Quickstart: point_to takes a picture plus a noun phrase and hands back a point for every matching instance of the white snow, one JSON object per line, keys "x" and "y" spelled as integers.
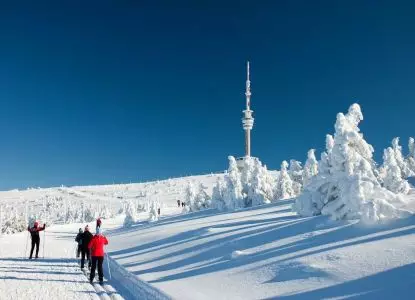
{"x": 263, "y": 252}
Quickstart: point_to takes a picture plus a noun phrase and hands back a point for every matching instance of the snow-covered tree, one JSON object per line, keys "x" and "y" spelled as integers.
{"x": 202, "y": 200}
{"x": 284, "y": 183}
{"x": 350, "y": 189}
{"x": 14, "y": 222}
{"x": 218, "y": 194}
{"x": 296, "y": 173}
{"x": 252, "y": 185}
{"x": 400, "y": 161}
{"x": 410, "y": 160}
{"x": 310, "y": 167}
{"x": 190, "y": 194}
{"x": 130, "y": 214}
{"x": 393, "y": 180}
{"x": 153, "y": 212}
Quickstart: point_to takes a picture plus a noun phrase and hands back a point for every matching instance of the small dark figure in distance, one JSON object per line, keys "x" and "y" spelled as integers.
{"x": 158, "y": 211}
{"x": 98, "y": 223}
{"x": 96, "y": 246}
{"x": 182, "y": 204}
{"x": 34, "y": 234}
{"x": 78, "y": 239}
{"x": 85, "y": 239}
{"x": 178, "y": 203}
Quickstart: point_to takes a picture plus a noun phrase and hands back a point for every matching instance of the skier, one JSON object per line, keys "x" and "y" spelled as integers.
{"x": 178, "y": 203}
{"x": 34, "y": 234}
{"x": 85, "y": 239}
{"x": 158, "y": 211}
{"x": 98, "y": 223}
{"x": 96, "y": 245}
{"x": 78, "y": 239}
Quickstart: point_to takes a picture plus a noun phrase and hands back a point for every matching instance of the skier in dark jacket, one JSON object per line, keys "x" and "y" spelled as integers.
{"x": 98, "y": 223}
{"x": 78, "y": 239}
{"x": 85, "y": 239}
{"x": 34, "y": 234}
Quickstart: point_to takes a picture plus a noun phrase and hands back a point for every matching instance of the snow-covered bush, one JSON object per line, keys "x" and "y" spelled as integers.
{"x": 130, "y": 214}
{"x": 284, "y": 183}
{"x": 349, "y": 188}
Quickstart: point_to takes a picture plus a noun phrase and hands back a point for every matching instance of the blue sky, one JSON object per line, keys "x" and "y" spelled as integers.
{"x": 121, "y": 92}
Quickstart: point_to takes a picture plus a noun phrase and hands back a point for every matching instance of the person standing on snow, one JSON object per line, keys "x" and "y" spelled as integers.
{"x": 85, "y": 239}
{"x": 96, "y": 245}
{"x": 78, "y": 239}
{"x": 98, "y": 223}
{"x": 34, "y": 234}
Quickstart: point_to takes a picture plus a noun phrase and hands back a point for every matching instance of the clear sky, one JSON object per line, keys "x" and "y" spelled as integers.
{"x": 120, "y": 92}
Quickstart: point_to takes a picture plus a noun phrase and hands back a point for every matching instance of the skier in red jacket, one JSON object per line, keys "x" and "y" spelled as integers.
{"x": 34, "y": 233}
{"x": 96, "y": 246}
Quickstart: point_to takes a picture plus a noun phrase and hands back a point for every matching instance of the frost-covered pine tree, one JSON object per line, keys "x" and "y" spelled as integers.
{"x": 410, "y": 160}
{"x": 350, "y": 189}
{"x": 324, "y": 164}
{"x": 284, "y": 183}
{"x": 401, "y": 163}
{"x": 233, "y": 195}
{"x": 393, "y": 180}
{"x": 218, "y": 194}
{"x": 153, "y": 214}
{"x": 202, "y": 200}
{"x": 130, "y": 214}
{"x": 190, "y": 194}
{"x": 14, "y": 222}
{"x": 310, "y": 166}
{"x": 296, "y": 173}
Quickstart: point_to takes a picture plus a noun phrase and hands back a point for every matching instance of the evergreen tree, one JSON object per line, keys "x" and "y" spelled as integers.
{"x": 393, "y": 180}
{"x": 284, "y": 183}
{"x": 310, "y": 167}
{"x": 350, "y": 189}
{"x": 296, "y": 173}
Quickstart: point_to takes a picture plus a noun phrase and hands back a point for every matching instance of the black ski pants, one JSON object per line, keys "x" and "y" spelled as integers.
{"x": 97, "y": 260}
{"x": 85, "y": 253}
{"x": 35, "y": 241}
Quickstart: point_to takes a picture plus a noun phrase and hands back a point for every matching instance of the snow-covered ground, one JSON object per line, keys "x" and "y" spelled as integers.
{"x": 264, "y": 252}
{"x": 269, "y": 252}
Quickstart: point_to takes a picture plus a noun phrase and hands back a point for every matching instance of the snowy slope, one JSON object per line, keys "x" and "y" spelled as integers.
{"x": 265, "y": 252}
{"x": 32, "y": 201}
{"x": 268, "y": 252}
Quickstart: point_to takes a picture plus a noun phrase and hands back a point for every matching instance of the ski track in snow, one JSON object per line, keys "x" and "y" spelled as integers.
{"x": 56, "y": 276}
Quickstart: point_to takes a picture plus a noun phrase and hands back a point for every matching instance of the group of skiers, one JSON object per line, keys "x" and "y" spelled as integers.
{"x": 90, "y": 247}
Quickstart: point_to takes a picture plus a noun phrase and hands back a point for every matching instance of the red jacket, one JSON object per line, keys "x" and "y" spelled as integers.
{"x": 96, "y": 245}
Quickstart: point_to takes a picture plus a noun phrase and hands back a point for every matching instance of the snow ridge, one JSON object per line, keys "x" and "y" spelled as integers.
{"x": 140, "y": 289}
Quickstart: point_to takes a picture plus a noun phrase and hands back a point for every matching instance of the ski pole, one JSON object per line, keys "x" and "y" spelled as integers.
{"x": 44, "y": 242}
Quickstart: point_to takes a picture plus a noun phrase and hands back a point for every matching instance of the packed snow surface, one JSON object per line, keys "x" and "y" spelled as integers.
{"x": 269, "y": 252}
{"x": 265, "y": 252}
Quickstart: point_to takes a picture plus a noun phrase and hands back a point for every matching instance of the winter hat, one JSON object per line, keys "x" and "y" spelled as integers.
{"x": 80, "y": 230}
{"x": 86, "y": 228}
{"x": 98, "y": 230}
